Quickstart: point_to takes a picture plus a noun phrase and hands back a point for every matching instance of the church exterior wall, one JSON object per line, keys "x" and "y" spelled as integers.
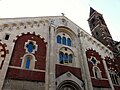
{"x": 34, "y": 41}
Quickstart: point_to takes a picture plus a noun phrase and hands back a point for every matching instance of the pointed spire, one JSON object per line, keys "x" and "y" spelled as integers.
{"x": 92, "y": 11}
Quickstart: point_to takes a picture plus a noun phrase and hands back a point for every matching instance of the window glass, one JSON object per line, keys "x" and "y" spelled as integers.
{"x": 58, "y": 39}
{"x": 64, "y": 40}
{"x": 30, "y": 47}
{"x": 61, "y": 57}
{"x": 69, "y": 42}
{"x": 66, "y": 58}
{"x": 27, "y": 66}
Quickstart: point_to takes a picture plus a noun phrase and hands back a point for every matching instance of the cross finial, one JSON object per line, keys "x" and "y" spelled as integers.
{"x": 63, "y": 14}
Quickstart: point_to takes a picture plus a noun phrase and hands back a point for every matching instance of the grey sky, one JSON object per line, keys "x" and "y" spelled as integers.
{"x": 75, "y": 10}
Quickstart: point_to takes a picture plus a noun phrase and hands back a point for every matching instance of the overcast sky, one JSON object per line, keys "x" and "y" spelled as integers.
{"x": 75, "y": 10}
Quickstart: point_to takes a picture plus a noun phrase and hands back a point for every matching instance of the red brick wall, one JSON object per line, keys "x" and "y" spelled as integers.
{"x": 60, "y": 69}
{"x": 100, "y": 83}
{"x": 95, "y": 54}
{"x": 19, "y": 51}
{"x": 111, "y": 63}
{"x": 22, "y": 74}
{"x": 117, "y": 87}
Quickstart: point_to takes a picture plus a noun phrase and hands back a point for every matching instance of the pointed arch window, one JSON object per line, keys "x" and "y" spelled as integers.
{"x": 63, "y": 40}
{"x": 69, "y": 42}
{"x": 59, "y": 39}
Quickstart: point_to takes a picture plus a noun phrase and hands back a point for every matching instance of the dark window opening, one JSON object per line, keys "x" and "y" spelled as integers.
{"x": 7, "y": 36}
{"x": 114, "y": 79}
{"x": 93, "y": 60}
{"x": 65, "y": 49}
{"x": 96, "y": 33}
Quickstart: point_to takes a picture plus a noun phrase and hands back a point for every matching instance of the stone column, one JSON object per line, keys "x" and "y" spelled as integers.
{"x": 109, "y": 79}
{"x": 52, "y": 58}
{"x": 85, "y": 69}
{"x": 5, "y": 66}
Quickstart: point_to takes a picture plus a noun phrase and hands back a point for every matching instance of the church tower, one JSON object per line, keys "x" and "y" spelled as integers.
{"x": 99, "y": 28}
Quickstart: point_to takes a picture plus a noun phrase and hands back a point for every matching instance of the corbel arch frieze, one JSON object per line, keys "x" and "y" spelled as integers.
{"x": 30, "y": 33}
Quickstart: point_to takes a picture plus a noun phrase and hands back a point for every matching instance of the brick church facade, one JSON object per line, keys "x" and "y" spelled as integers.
{"x": 53, "y": 53}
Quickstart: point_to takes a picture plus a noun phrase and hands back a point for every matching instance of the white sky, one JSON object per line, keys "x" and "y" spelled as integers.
{"x": 75, "y": 10}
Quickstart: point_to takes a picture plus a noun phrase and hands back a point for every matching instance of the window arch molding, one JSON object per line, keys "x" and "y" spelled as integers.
{"x": 31, "y": 61}
{"x": 68, "y": 84}
{"x": 67, "y": 31}
{"x": 66, "y": 55}
{"x": 97, "y": 72}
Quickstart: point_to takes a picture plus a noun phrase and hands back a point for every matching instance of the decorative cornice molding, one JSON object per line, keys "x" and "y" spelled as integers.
{"x": 93, "y": 41}
{"x": 22, "y": 24}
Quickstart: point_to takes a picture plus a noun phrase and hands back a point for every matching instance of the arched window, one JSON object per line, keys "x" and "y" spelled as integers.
{"x": 69, "y": 42}
{"x": 97, "y": 73}
{"x": 28, "y": 61}
{"x": 61, "y": 57}
{"x": 64, "y": 40}
{"x": 114, "y": 78}
{"x": 59, "y": 39}
{"x": 70, "y": 58}
{"x": 66, "y": 58}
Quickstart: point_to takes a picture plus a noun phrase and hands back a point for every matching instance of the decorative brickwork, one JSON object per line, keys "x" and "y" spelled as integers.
{"x": 100, "y": 83}
{"x": 95, "y": 54}
{"x": 17, "y": 56}
{"x": 21, "y": 74}
{"x": 117, "y": 87}
{"x": 60, "y": 69}
{"x": 111, "y": 64}
{"x": 19, "y": 51}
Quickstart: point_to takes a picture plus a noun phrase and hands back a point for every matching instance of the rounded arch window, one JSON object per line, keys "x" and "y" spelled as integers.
{"x": 65, "y": 56}
{"x": 28, "y": 61}
{"x": 59, "y": 39}
{"x": 68, "y": 41}
{"x": 64, "y": 40}
{"x": 65, "y": 36}
{"x": 97, "y": 72}
{"x": 61, "y": 57}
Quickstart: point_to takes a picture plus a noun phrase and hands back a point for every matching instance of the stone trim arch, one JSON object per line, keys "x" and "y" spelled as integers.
{"x": 69, "y": 79}
{"x": 67, "y": 31}
{"x": 32, "y": 61}
{"x": 69, "y": 84}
